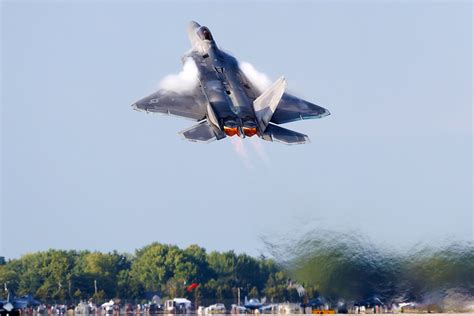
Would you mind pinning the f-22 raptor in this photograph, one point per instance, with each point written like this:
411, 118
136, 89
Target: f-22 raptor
226, 102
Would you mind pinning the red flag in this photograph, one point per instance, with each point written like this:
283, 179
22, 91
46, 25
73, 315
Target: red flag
192, 286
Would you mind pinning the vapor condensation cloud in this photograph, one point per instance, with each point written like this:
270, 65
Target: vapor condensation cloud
259, 79
185, 80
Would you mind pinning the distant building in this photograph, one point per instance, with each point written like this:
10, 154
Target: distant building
2, 260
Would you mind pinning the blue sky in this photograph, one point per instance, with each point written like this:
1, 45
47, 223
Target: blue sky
81, 170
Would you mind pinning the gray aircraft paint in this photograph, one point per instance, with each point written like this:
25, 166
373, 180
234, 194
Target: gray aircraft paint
226, 102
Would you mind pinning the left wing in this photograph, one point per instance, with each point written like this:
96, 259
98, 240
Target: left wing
203, 132
292, 109
189, 104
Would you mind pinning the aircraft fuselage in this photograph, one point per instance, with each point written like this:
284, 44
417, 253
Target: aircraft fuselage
223, 86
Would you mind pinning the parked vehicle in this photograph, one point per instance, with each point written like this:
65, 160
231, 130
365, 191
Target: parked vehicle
218, 308
178, 306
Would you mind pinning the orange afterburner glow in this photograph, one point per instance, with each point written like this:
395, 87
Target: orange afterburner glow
250, 131
231, 131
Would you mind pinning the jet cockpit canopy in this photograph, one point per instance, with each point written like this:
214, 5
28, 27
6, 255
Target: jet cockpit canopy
204, 34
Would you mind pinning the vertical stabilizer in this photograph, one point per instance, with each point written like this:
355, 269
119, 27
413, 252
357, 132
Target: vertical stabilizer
266, 104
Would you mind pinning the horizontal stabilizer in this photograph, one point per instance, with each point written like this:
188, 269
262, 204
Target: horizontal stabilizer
202, 133
283, 135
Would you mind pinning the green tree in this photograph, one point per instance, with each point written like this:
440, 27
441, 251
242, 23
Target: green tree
8, 276
254, 292
152, 266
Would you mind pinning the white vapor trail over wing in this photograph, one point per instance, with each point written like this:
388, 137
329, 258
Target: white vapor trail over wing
185, 80
258, 79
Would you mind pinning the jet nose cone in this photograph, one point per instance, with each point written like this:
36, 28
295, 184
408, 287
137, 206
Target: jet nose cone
136, 107
193, 25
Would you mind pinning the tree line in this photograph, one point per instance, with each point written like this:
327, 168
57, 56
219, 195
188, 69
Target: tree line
166, 270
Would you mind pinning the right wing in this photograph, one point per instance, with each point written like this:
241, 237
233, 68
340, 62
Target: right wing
289, 109
292, 109
190, 104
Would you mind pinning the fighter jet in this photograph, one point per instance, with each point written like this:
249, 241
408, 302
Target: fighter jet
252, 304
225, 103
13, 305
